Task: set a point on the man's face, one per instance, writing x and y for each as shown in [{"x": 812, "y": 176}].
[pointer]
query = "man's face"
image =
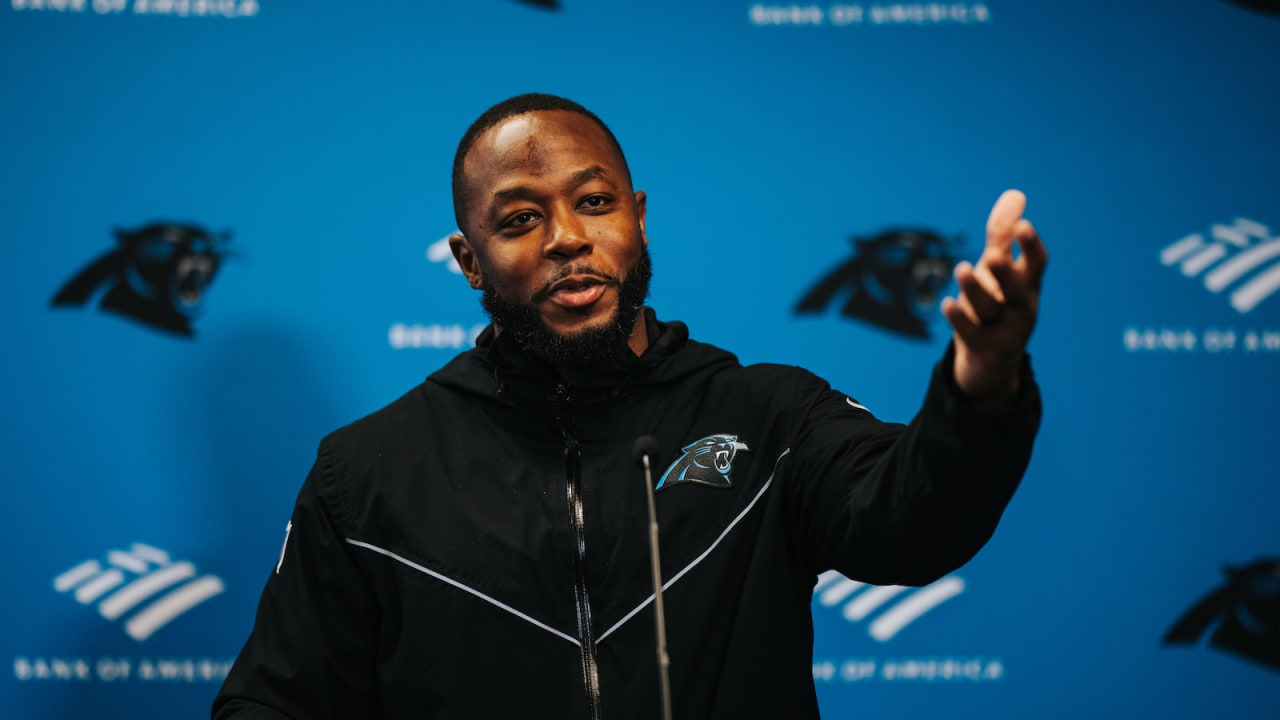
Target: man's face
[{"x": 555, "y": 236}]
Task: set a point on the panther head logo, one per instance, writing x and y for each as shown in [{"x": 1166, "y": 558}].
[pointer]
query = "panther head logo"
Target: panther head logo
[
  {"x": 157, "y": 275},
  {"x": 1270, "y": 7},
  {"x": 1245, "y": 611},
  {"x": 707, "y": 461},
  {"x": 893, "y": 280}
]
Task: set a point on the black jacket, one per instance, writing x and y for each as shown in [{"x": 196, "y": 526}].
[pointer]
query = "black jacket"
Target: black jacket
[{"x": 478, "y": 548}]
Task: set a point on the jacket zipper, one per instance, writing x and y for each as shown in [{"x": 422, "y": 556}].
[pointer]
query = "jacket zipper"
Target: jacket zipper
[{"x": 573, "y": 493}]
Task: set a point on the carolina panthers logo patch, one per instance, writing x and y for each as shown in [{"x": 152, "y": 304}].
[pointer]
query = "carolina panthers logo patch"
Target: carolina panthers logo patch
[{"x": 707, "y": 461}]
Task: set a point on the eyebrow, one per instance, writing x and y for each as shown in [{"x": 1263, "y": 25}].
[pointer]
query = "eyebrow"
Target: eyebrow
[
  {"x": 585, "y": 175},
  {"x": 580, "y": 177}
]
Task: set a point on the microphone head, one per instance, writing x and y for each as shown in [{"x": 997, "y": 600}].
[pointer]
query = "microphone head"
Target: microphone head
[{"x": 645, "y": 446}]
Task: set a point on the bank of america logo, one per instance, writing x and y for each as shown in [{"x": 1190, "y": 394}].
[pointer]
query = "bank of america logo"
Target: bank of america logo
[
  {"x": 439, "y": 252},
  {"x": 1243, "y": 258},
  {"x": 890, "y": 608},
  {"x": 142, "y": 578}
]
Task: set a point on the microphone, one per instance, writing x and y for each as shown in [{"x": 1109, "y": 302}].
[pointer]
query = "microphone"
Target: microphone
[{"x": 645, "y": 451}]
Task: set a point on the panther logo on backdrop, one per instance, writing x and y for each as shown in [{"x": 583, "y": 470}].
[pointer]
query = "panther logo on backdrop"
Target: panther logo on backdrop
[
  {"x": 143, "y": 583},
  {"x": 1240, "y": 617},
  {"x": 158, "y": 275},
  {"x": 894, "y": 281},
  {"x": 1269, "y": 7}
]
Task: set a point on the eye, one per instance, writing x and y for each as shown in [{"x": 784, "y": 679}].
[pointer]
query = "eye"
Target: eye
[
  {"x": 520, "y": 219},
  {"x": 596, "y": 201}
]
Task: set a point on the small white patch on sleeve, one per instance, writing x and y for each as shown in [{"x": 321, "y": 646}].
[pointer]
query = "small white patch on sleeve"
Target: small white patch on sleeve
[
  {"x": 287, "y": 529},
  {"x": 856, "y": 406}
]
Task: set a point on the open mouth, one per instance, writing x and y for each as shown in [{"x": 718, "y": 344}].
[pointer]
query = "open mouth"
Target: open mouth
[{"x": 577, "y": 291}]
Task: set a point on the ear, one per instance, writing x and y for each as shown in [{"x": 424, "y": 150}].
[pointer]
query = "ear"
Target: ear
[
  {"x": 460, "y": 246},
  {"x": 640, "y": 205}
]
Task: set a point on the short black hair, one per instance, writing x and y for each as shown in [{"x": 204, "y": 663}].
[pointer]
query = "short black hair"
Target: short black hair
[{"x": 518, "y": 105}]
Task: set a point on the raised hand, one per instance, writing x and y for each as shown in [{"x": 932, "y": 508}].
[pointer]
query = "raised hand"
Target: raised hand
[{"x": 998, "y": 303}]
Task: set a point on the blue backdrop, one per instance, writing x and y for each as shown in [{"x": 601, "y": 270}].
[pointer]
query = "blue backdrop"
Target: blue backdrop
[{"x": 286, "y": 163}]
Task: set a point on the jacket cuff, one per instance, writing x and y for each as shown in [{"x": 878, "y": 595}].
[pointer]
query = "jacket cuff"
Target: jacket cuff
[{"x": 1018, "y": 417}]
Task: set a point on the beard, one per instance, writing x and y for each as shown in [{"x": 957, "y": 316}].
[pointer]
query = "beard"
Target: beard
[{"x": 585, "y": 347}]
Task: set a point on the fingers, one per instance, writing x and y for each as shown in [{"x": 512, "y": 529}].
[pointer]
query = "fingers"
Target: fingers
[
  {"x": 1003, "y": 219},
  {"x": 999, "y": 281},
  {"x": 981, "y": 297},
  {"x": 995, "y": 311},
  {"x": 1034, "y": 254},
  {"x": 966, "y": 327},
  {"x": 1018, "y": 280}
]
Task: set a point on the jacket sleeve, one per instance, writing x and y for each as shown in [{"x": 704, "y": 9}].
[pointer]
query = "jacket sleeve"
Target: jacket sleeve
[
  {"x": 311, "y": 652},
  {"x": 888, "y": 504}
]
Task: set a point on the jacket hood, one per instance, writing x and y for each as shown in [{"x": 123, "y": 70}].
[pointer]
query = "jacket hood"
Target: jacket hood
[{"x": 499, "y": 367}]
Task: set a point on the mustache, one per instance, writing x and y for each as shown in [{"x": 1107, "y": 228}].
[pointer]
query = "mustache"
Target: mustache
[{"x": 544, "y": 292}]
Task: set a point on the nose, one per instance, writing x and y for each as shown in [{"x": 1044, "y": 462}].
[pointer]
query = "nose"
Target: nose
[{"x": 567, "y": 236}]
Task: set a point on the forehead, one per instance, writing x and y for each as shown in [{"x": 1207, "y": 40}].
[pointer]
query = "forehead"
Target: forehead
[{"x": 544, "y": 142}]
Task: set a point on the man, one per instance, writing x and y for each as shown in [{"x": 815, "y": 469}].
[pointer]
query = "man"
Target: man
[{"x": 478, "y": 548}]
